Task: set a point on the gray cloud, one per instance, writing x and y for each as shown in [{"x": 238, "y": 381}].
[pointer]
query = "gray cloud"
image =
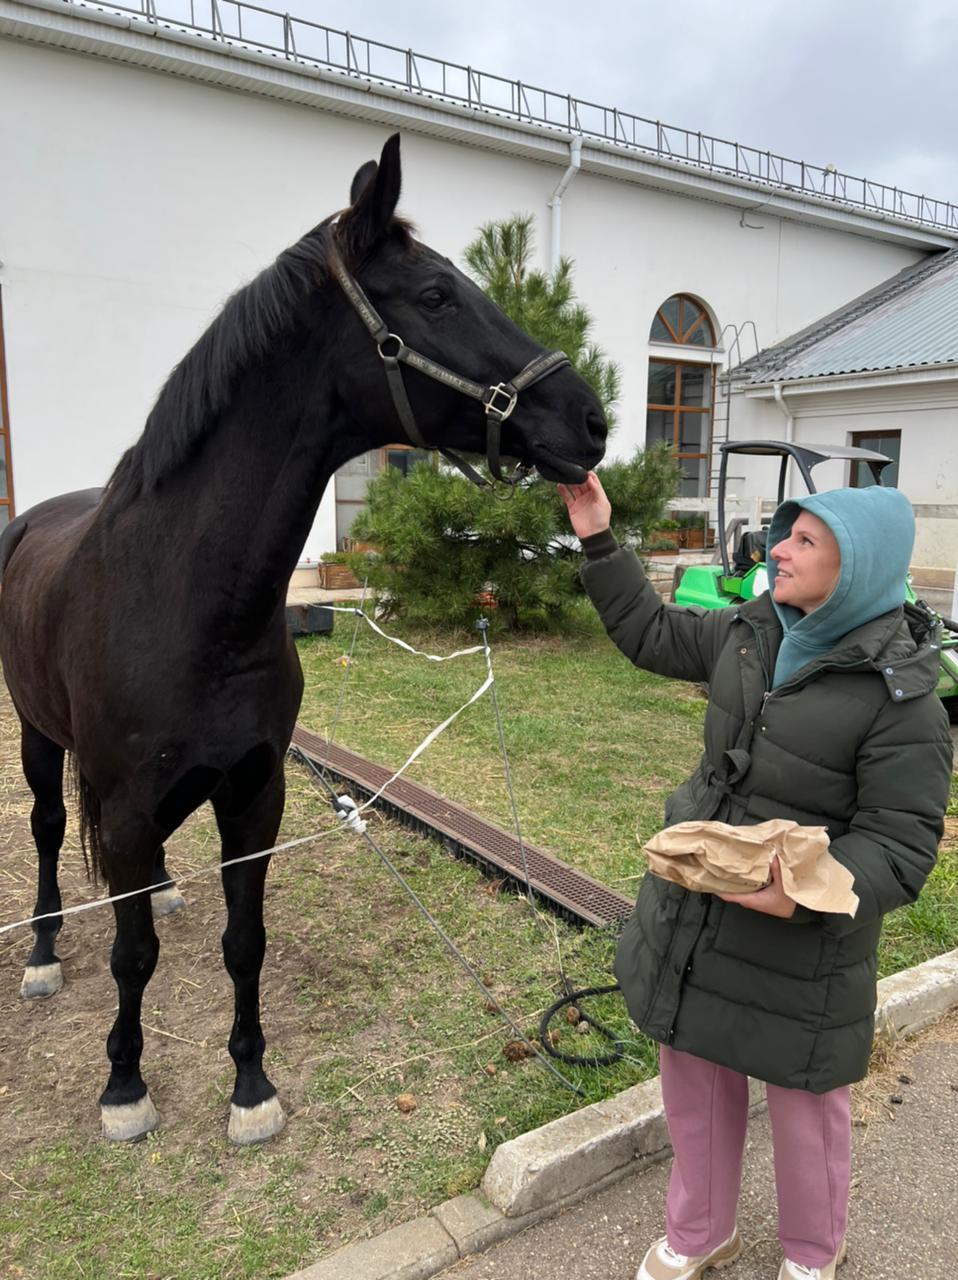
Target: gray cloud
[{"x": 866, "y": 85}]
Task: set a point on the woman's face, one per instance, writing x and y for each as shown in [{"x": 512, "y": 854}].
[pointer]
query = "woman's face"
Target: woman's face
[{"x": 808, "y": 563}]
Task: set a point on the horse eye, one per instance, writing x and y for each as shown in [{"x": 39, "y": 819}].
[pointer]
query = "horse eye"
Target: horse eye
[{"x": 432, "y": 298}]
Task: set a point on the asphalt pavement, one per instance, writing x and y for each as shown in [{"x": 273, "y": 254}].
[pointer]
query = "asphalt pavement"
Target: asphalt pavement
[{"x": 904, "y": 1207}]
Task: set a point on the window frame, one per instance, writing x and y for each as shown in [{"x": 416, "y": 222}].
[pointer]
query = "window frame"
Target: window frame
[
  {"x": 879, "y": 433},
  {"x": 681, "y": 339},
  {"x": 677, "y": 408}
]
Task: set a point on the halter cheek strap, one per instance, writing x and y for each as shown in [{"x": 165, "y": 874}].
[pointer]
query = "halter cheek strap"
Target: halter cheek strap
[{"x": 498, "y": 400}]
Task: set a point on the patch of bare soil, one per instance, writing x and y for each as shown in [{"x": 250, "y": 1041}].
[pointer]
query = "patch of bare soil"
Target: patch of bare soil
[{"x": 336, "y": 1164}]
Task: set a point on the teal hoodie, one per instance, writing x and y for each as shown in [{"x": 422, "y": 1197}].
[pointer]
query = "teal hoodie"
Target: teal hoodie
[{"x": 875, "y": 530}]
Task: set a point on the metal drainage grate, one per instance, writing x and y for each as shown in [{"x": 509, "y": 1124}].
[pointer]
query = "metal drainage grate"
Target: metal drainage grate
[{"x": 573, "y": 894}]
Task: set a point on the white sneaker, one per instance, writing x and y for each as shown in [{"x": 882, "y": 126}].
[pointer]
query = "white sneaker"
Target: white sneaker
[
  {"x": 663, "y": 1263},
  {"x": 795, "y": 1271}
]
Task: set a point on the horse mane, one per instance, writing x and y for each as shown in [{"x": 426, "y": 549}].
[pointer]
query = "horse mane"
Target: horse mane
[{"x": 201, "y": 386}]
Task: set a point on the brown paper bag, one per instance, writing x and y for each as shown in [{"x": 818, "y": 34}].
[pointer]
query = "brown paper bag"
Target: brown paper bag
[{"x": 714, "y": 857}]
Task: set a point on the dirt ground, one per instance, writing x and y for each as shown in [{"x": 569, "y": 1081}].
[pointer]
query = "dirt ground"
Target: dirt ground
[
  {"x": 52, "y": 1052},
  {"x": 360, "y": 1004},
  {"x": 53, "y": 1061}
]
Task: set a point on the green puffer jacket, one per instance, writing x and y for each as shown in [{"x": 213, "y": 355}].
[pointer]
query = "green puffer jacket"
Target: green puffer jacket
[{"x": 856, "y": 741}]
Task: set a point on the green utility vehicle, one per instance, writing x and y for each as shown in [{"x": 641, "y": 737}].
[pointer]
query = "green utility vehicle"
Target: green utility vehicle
[{"x": 739, "y": 572}]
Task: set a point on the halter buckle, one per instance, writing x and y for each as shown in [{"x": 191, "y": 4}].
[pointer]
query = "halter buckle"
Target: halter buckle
[
  {"x": 400, "y": 346},
  {"x": 506, "y": 390}
]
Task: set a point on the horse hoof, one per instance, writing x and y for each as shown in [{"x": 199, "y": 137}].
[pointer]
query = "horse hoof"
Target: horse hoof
[
  {"x": 255, "y": 1124},
  {"x": 130, "y": 1122},
  {"x": 166, "y": 901},
  {"x": 41, "y": 980}
]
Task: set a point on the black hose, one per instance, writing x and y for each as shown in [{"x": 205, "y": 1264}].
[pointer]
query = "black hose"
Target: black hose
[{"x": 573, "y": 997}]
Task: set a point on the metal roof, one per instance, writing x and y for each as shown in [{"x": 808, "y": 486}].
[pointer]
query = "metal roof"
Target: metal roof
[{"x": 910, "y": 320}]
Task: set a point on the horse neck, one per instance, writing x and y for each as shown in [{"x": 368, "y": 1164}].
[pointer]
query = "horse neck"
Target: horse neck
[{"x": 229, "y": 526}]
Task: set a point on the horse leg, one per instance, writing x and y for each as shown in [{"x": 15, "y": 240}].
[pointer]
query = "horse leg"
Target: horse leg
[
  {"x": 43, "y": 770},
  {"x": 165, "y": 897},
  {"x": 126, "y": 1109},
  {"x": 255, "y": 1110}
]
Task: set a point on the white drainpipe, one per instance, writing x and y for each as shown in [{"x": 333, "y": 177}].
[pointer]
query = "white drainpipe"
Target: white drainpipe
[
  {"x": 789, "y": 420},
  {"x": 789, "y": 429},
  {"x": 555, "y": 204}
]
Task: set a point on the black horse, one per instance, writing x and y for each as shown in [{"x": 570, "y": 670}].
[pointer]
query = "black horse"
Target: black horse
[{"x": 142, "y": 627}]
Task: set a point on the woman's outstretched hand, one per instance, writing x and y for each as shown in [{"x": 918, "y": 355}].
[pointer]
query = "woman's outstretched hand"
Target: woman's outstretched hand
[
  {"x": 772, "y": 900},
  {"x": 589, "y": 509}
]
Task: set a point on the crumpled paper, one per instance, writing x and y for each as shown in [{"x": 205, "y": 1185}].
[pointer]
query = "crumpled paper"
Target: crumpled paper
[{"x": 714, "y": 857}]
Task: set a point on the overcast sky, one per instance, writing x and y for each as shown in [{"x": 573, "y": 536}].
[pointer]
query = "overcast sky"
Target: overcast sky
[{"x": 870, "y": 86}]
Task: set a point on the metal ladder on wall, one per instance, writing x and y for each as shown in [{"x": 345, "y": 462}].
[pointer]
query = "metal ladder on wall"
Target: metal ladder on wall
[{"x": 722, "y": 409}]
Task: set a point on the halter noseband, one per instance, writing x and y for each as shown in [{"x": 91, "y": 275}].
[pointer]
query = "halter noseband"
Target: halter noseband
[{"x": 498, "y": 400}]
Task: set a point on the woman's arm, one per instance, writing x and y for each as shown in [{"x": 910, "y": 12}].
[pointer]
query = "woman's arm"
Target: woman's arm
[
  {"x": 904, "y": 775},
  {"x": 667, "y": 639}
]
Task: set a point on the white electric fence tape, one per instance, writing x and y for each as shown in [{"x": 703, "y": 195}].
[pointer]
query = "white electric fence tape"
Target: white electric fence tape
[
  {"x": 190, "y": 875},
  {"x": 460, "y": 653}
]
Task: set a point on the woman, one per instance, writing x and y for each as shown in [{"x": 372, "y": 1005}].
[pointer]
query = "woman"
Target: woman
[{"x": 822, "y": 709}]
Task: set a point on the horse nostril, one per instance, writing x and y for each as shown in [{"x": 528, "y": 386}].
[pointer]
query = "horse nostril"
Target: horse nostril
[{"x": 596, "y": 426}]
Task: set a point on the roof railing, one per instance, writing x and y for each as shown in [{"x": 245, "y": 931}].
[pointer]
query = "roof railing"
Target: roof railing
[{"x": 298, "y": 40}]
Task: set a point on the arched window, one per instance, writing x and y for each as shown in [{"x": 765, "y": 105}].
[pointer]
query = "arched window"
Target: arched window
[
  {"x": 681, "y": 390},
  {"x": 682, "y": 319}
]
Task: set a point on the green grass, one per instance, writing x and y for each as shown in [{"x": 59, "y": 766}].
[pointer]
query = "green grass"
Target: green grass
[
  {"x": 97, "y": 1212},
  {"x": 595, "y": 745},
  {"x": 362, "y": 1002}
]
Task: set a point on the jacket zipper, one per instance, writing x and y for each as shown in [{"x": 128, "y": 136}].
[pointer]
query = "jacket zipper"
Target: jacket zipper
[{"x": 762, "y": 657}]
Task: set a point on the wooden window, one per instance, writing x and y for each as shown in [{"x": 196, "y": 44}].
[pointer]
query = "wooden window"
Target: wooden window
[
  {"x": 886, "y": 442},
  {"x": 682, "y": 319},
  {"x": 681, "y": 392},
  {"x": 6, "y": 470},
  {"x": 680, "y": 414}
]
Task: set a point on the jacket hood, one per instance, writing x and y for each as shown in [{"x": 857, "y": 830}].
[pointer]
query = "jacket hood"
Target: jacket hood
[{"x": 875, "y": 531}]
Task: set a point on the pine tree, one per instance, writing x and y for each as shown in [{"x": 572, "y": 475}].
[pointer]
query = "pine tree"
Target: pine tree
[{"x": 448, "y": 549}]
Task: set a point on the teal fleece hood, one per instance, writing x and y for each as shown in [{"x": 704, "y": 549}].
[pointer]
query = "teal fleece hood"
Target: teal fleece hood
[{"x": 875, "y": 531}]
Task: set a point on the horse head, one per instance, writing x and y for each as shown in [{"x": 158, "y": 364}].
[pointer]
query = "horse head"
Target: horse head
[{"x": 467, "y": 369}]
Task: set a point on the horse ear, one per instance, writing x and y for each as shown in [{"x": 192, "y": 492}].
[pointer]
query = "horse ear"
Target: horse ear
[
  {"x": 374, "y": 195},
  {"x": 364, "y": 175}
]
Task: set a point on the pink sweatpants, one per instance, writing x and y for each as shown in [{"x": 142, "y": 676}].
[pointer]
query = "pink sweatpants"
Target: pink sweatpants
[{"x": 706, "y": 1108}]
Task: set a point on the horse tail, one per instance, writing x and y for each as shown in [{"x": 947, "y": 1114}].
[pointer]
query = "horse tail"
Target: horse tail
[
  {"x": 10, "y": 539},
  {"x": 88, "y": 811}
]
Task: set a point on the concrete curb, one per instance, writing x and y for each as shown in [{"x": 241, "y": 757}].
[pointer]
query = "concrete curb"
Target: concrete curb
[{"x": 538, "y": 1174}]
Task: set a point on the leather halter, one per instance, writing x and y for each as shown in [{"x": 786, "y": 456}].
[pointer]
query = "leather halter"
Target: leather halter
[{"x": 498, "y": 400}]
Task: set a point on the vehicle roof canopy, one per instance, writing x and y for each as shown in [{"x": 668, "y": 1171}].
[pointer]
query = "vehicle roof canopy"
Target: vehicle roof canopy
[{"x": 811, "y": 454}]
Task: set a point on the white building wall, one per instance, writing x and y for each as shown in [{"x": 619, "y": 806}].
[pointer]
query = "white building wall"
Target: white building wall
[
  {"x": 924, "y": 408},
  {"x": 138, "y": 201}
]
